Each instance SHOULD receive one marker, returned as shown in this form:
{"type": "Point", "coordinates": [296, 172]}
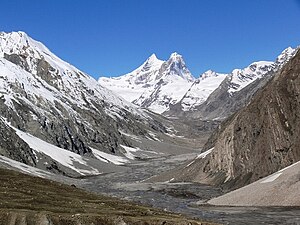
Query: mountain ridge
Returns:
{"type": "Point", "coordinates": [146, 86]}
{"type": "Point", "coordinates": [232, 92]}
{"type": "Point", "coordinates": [52, 100]}
{"type": "Point", "coordinates": [161, 90]}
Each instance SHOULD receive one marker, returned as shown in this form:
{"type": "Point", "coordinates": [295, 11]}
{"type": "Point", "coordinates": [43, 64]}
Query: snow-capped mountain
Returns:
{"type": "Point", "coordinates": [132, 85]}
{"type": "Point", "coordinates": [48, 98]}
{"type": "Point", "coordinates": [240, 78]}
{"type": "Point", "coordinates": [168, 86]}
{"type": "Point", "coordinates": [227, 92]}
{"type": "Point", "coordinates": [155, 84]}
{"type": "Point", "coordinates": [201, 89]}
{"type": "Point", "coordinates": [54, 74]}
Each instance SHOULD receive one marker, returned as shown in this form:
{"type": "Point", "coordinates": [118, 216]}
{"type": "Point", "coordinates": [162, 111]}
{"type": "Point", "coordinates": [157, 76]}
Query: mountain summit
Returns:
{"type": "Point", "coordinates": [155, 84]}
{"type": "Point", "coordinates": [175, 66]}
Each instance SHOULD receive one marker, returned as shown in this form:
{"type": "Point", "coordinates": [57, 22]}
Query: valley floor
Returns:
{"type": "Point", "coordinates": [181, 197]}
{"type": "Point", "coordinates": [28, 200]}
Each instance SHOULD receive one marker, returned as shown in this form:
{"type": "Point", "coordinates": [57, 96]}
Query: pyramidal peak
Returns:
{"type": "Point", "coordinates": [175, 57]}
{"type": "Point", "coordinates": [175, 66]}
{"type": "Point", "coordinates": [153, 61]}
{"type": "Point", "coordinates": [18, 39]}
{"type": "Point", "coordinates": [15, 35]}
{"type": "Point", "coordinates": [153, 57]}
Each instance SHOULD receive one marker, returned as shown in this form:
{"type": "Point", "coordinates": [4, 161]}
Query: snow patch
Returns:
{"type": "Point", "coordinates": [109, 158]}
{"type": "Point", "coordinates": [271, 178]}
{"type": "Point", "coordinates": [62, 156]}
{"type": "Point", "coordinates": [274, 176]}
{"type": "Point", "coordinates": [129, 152]}
{"type": "Point", "coordinates": [137, 153]}
{"type": "Point", "coordinates": [204, 154]}
{"type": "Point", "coordinates": [23, 167]}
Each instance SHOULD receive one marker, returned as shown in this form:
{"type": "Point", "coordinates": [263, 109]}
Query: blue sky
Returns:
{"type": "Point", "coordinates": [113, 37]}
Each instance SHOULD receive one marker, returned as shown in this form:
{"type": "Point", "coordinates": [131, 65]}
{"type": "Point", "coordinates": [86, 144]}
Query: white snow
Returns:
{"type": "Point", "coordinates": [134, 153]}
{"type": "Point", "coordinates": [129, 152]}
{"type": "Point", "coordinates": [70, 85]}
{"type": "Point", "coordinates": [160, 83]}
{"type": "Point", "coordinates": [201, 89]}
{"type": "Point", "coordinates": [130, 86]}
{"type": "Point", "coordinates": [240, 78]}
{"type": "Point", "coordinates": [274, 176]}
{"type": "Point", "coordinates": [109, 158]}
{"type": "Point", "coordinates": [200, 156]}
{"type": "Point", "coordinates": [153, 136]}
{"type": "Point", "coordinates": [286, 55]}
{"type": "Point", "coordinates": [62, 156]}
{"type": "Point", "coordinates": [271, 178]}
{"type": "Point", "coordinates": [171, 179]}
{"type": "Point", "coordinates": [23, 167]}
{"type": "Point", "coordinates": [189, 164]}
{"type": "Point", "coordinates": [204, 154]}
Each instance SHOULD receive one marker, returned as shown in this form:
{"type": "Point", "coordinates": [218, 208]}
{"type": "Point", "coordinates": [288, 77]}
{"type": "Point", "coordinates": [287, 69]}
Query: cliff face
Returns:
{"type": "Point", "coordinates": [260, 139]}
{"type": "Point", "coordinates": [12, 146]}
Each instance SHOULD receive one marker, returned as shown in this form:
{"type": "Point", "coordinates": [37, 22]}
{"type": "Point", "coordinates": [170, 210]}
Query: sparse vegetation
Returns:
{"type": "Point", "coordinates": [31, 200]}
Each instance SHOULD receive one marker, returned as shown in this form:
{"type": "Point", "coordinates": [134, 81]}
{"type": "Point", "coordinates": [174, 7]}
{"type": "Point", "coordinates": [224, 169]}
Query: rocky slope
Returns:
{"type": "Point", "coordinates": [57, 103]}
{"type": "Point", "coordinates": [12, 146]}
{"type": "Point", "coordinates": [279, 189]}
{"type": "Point", "coordinates": [258, 140]}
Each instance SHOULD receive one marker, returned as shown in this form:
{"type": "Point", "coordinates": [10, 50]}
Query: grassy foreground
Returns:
{"type": "Point", "coordinates": [26, 200]}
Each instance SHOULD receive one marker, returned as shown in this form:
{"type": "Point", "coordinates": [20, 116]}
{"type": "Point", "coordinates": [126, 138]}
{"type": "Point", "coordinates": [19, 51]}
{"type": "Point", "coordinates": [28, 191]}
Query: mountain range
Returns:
{"type": "Point", "coordinates": [223, 130]}
{"type": "Point", "coordinates": [258, 140]}
{"type": "Point", "coordinates": [56, 103]}
{"type": "Point", "coordinates": [169, 88]}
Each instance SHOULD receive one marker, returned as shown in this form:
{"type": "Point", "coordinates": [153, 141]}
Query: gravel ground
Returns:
{"type": "Point", "coordinates": [279, 189]}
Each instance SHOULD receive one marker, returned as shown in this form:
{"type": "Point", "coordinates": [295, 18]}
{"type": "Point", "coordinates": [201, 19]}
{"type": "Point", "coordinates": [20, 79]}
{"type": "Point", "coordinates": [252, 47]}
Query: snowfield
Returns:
{"type": "Point", "coordinates": [109, 158]}
{"type": "Point", "coordinates": [64, 157]}
{"type": "Point", "coordinates": [69, 83]}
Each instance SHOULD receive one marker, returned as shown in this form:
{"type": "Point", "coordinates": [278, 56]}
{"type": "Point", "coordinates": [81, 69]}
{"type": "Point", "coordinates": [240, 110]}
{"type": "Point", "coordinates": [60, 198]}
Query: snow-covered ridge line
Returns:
{"type": "Point", "coordinates": [66, 79]}
{"type": "Point", "coordinates": [201, 89]}
{"type": "Point", "coordinates": [157, 84]}
{"type": "Point", "coordinates": [240, 78]}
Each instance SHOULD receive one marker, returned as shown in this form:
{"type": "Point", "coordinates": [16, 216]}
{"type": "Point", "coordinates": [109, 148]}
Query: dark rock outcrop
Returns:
{"type": "Point", "coordinates": [13, 147]}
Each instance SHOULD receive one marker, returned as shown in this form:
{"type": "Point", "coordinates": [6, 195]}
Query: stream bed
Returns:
{"type": "Point", "coordinates": [181, 198]}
